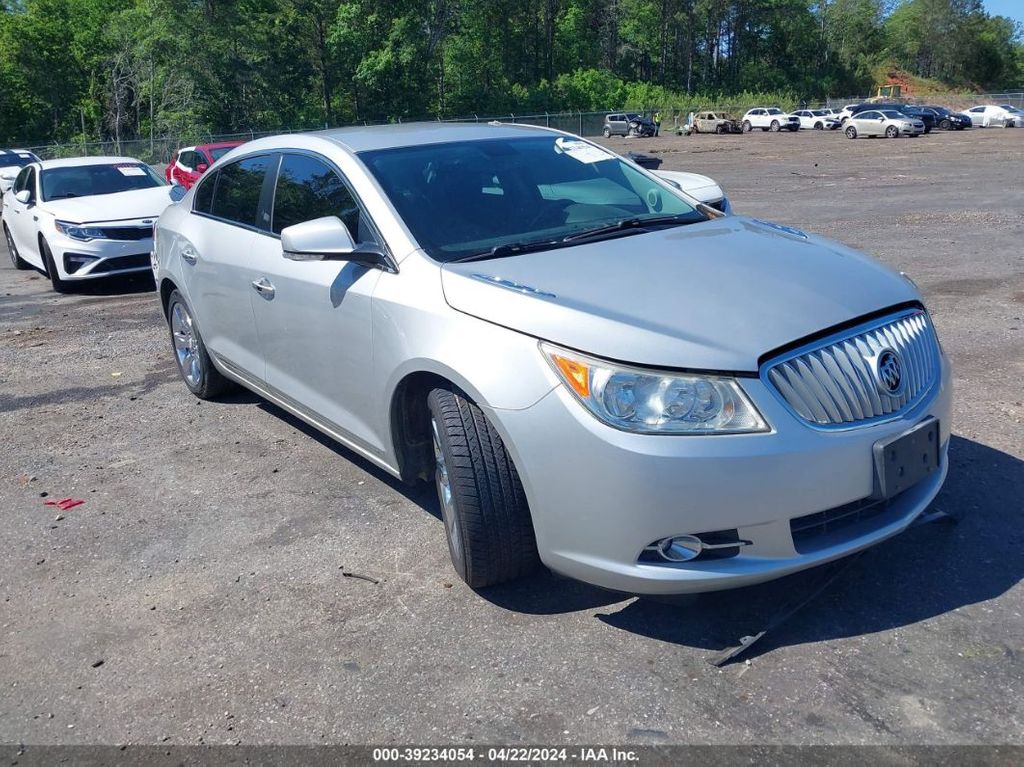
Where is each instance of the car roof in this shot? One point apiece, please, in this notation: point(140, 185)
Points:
point(71, 162)
point(371, 137)
point(218, 145)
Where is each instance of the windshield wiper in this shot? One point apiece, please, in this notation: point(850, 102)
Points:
point(64, 196)
point(509, 249)
point(626, 224)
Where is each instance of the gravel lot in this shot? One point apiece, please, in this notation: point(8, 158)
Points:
point(199, 595)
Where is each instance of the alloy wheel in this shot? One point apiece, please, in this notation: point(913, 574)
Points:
point(444, 495)
point(186, 345)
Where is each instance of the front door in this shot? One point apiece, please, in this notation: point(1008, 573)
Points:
point(314, 317)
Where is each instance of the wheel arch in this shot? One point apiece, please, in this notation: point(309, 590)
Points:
point(167, 287)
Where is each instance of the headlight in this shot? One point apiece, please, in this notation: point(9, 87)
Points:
point(652, 402)
point(76, 232)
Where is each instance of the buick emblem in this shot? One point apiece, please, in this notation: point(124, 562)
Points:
point(889, 368)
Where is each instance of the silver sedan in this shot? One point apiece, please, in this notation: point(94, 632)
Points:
point(883, 122)
point(597, 372)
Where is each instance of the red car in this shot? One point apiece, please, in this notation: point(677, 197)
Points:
point(188, 164)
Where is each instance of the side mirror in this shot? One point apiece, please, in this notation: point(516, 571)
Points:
point(327, 239)
point(202, 167)
point(177, 192)
point(881, 119)
point(24, 197)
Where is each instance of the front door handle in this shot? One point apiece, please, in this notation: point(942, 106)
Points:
point(264, 287)
point(189, 255)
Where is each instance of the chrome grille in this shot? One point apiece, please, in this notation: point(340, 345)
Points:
point(836, 383)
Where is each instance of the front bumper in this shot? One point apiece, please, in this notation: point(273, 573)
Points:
point(92, 259)
point(599, 496)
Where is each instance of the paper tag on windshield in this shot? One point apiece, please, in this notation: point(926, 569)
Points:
point(131, 170)
point(581, 151)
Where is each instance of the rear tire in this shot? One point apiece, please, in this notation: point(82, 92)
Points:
point(486, 517)
point(59, 285)
point(190, 354)
point(12, 249)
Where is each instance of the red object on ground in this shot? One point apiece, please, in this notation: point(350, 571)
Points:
point(64, 503)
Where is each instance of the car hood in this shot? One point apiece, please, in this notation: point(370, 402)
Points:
point(122, 206)
point(714, 296)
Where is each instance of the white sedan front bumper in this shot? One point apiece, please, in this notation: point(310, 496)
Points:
point(125, 250)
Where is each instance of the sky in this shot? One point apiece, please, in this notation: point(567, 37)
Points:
point(1012, 8)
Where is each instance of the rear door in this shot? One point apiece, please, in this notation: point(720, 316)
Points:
point(221, 262)
point(314, 321)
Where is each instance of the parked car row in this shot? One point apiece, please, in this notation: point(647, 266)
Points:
point(912, 120)
point(447, 301)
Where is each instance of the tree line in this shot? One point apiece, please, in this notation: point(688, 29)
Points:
point(78, 70)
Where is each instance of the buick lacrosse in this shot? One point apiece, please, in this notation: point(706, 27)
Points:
point(598, 372)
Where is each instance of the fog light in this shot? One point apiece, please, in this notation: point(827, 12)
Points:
point(682, 548)
point(75, 261)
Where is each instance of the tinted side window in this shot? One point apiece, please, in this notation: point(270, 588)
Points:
point(237, 194)
point(204, 194)
point(308, 189)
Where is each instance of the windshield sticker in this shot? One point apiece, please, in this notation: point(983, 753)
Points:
point(581, 151)
point(130, 170)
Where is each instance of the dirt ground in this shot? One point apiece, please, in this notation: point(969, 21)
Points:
point(199, 595)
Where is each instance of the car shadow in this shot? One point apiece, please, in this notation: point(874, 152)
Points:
point(927, 571)
point(422, 494)
point(118, 285)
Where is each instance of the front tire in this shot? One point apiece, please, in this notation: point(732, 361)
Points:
point(486, 518)
point(892, 132)
point(819, 126)
point(747, 126)
point(12, 249)
point(607, 132)
point(851, 132)
point(774, 127)
point(59, 285)
point(194, 364)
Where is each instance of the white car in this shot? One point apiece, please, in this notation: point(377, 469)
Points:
point(83, 218)
point(846, 112)
point(771, 119)
point(699, 187)
point(815, 119)
point(883, 122)
point(991, 116)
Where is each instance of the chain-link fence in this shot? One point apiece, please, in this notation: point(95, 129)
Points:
point(159, 150)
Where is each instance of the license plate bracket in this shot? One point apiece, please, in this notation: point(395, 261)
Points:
point(904, 460)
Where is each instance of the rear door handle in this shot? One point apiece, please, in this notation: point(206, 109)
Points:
point(189, 255)
point(264, 287)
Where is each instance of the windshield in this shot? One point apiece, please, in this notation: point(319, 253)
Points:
point(819, 113)
point(469, 197)
point(774, 111)
point(14, 160)
point(88, 180)
point(219, 152)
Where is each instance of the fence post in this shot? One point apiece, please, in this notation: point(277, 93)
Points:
point(581, 123)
